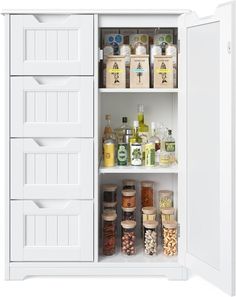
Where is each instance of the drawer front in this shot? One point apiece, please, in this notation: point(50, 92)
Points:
point(45, 168)
point(52, 44)
point(52, 106)
point(51, 230)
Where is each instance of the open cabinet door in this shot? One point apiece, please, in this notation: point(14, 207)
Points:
point(209, 147)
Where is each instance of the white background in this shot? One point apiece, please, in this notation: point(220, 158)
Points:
point(94, 286)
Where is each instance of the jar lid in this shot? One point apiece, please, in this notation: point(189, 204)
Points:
point(109, 211)
point(165, 193)
point(128, 224)
point(109, 187)
point(109, 216)
point(128, 192)
point(168, 211)
point(129, 182)
point(147, 183)
point(109, 204)
point(130, 209)
point(150, 224)
point(149, 210)
point(170, 225)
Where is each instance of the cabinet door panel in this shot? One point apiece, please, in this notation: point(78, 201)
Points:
point(209, 164)
point(52, 106)
point(52, 168)
point(52, 230)
point(52, 44)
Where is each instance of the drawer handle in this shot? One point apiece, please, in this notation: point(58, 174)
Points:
point(55, 142)
point(52, 204)
point(51, 80)
point(51, 18)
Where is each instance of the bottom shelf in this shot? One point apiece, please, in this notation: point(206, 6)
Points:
point(139, 257)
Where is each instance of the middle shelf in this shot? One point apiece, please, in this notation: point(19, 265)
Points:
point(138, 169)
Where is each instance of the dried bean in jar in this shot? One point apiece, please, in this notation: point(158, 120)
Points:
point(170, 241)
point(150, 237)
point(128, 239)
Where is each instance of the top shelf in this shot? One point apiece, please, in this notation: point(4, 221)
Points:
point(149, 90)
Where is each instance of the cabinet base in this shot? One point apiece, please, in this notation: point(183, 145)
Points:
point(20, 271)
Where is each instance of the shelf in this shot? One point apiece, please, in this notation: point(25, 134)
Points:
point(138, 169)
point(140, 258)
point(150, 90)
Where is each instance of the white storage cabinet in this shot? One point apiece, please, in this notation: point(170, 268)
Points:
point(55, 116)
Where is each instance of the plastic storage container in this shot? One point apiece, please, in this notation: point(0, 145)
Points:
point(147, 193)
point(128, 239)
point(109, 233)
point(128, 198)
point(170, 240)
point(128, 214)
point(150, 237)
point(166, 198)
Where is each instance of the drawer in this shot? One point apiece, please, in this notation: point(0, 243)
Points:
point(52, 106)
point(52, 168)
point(51, 230)
point(51, 44)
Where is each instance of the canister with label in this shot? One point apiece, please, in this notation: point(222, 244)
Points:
point(139, 71)
point(163, 72)
point(115, 72)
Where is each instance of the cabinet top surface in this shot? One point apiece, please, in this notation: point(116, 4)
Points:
point(87, 11)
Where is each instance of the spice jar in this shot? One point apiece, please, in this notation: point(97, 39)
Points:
point(128, 214)
point(128, 238)
point(150, 237)
point(170, 238)
point(129, 184)
point(109, 233)
point(109, 193)
point(109, 205)
point(128, 198)
point(166, 198)
point(147, 193)
point(167, 214)
point(148, 214)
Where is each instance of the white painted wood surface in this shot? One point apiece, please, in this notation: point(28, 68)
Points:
point(52, 106)
point(209, 149)
point(52, 168)
point(52, 45)
point(57, 231)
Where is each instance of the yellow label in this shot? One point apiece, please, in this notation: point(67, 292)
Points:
point(159, 70)
point(109, 155)
point(110, 70)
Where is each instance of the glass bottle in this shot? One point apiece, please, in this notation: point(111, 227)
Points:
point(135, 147)
point(143, 129)
point(156, 140)
point(108, 131)
point(170, 147)
point(135, 137)
point(164, 156)
point(120, 132)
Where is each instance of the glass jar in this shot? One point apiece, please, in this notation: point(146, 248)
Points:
point(128, 214)
point(148, 214)
point(170, 241)
point(167, 214)
point(128, 198)
point(109, 193)
point(109, 233)
point(110, 205)
point(165, 198)
point(147, 193)
point(150, 237)
point(128, 239)
point(129, 184)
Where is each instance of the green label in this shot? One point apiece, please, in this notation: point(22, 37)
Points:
point(122, 154)
point(170, 147)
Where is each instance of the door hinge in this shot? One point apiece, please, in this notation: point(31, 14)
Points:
point(100, 54)
point(178, 230)
point(178, 45)
point(229, 47)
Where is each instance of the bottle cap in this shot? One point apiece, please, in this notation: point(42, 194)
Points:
point(169, 131)
point(129, 182)
point(128, 224)
point(124, 120)
point(140, 108)
point(150, 224)
point(147, 183)
point(136, 124)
